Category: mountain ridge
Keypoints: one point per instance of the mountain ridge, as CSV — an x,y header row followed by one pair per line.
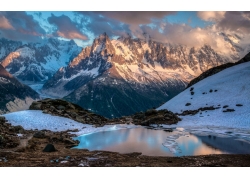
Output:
x,y
136,74
13,94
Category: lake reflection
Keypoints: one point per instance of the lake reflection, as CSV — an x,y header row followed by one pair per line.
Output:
x,y
148,141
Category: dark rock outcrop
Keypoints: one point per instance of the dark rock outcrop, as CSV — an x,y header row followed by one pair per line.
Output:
x,y
193,112
229,110
69,110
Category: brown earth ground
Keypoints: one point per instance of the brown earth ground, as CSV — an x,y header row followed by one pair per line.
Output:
x,y
28,152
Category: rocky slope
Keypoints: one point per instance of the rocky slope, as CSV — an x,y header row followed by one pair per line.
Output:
x,y
36,61
14,95
120,77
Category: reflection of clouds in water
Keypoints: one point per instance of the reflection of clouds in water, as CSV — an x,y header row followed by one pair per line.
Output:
x,y
188,141
201,150
147,141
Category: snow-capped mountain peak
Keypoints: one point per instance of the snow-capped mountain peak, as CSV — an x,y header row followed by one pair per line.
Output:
x,y
139,67
39,61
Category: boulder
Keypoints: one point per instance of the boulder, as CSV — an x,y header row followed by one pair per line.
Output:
x,y
49,148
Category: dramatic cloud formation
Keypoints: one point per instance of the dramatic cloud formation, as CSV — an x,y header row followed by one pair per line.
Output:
x,y
21,27
207,27
119,23
4,23
97,24
136,17
211,15
186,35
236,21
232,21
66,28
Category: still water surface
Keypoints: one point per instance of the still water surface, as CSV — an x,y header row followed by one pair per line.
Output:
x,y
160,143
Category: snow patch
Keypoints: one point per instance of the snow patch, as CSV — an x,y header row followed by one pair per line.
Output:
x,y
36,119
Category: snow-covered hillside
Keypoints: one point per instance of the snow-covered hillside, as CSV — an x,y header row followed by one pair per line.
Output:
x,y
36,119
226,93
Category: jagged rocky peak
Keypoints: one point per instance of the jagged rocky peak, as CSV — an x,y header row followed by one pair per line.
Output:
x,y
102,45
83,55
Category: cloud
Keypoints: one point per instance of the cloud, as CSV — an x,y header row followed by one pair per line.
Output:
x,y
21,26
4,23
119,23
236,21
97,24
228,21
136,17
66,28
186,35
211,15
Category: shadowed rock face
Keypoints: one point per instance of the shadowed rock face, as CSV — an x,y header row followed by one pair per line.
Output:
x,y
11,89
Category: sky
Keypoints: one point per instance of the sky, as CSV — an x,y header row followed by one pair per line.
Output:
x,y
191,28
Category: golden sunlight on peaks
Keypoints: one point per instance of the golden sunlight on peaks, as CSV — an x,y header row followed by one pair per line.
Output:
x,y
10,58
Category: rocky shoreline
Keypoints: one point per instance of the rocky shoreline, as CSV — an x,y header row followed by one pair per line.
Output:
x,y
32,148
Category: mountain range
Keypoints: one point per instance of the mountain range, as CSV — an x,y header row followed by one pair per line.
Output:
x,y
123,76
113,77
36,61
